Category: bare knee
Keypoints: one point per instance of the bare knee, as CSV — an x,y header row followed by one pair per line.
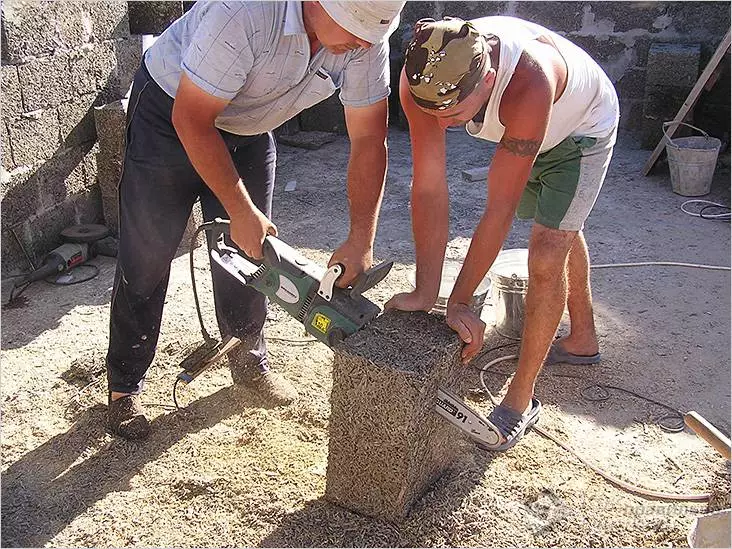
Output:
x,y
548,253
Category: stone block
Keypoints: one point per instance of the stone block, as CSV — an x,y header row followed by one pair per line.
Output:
x,y
148,17
326,116
472,10
475,174
631,114
701,21
387,445
109,19
45,82
673,65
27,30
6,152
12,259
627,16
20,197
34,137
110,123
65,175
74,24
632,84
76,120
558,16
660,105
107,68
12,104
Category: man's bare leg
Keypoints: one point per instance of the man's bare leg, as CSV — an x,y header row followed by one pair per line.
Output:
x,y
545,299
582,338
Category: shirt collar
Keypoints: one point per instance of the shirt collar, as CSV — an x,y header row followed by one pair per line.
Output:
x,y
294,23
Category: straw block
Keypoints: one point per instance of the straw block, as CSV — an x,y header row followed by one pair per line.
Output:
x,y
387,444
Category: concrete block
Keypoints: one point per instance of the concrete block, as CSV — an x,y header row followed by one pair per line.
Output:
x,y
700,21
307,140
129,56
110,126
153,17
632,84
76,120
626,16
45,82
476,174
326,116
673,65
12,259
74,24
387,445
21,197
34,137
472,10
564,16
65,175
12,99
631,114
660,104
107,68
27,30
109,19
6,152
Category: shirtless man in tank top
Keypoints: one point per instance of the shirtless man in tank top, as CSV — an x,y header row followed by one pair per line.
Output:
x,y
554,114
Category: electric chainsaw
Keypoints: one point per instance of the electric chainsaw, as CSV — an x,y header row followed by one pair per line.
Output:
x,y
308,292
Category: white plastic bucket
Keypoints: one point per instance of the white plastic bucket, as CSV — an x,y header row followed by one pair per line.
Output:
x,y
450,271
691,161
509,277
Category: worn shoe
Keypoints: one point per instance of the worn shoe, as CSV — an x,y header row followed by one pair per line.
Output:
x,y
126,417
271,386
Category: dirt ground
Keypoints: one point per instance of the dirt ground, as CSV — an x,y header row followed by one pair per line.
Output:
x,y
226,471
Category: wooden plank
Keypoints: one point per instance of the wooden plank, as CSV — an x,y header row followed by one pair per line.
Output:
x,y
690,101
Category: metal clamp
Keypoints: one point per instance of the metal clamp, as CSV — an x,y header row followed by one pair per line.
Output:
x,y
325,290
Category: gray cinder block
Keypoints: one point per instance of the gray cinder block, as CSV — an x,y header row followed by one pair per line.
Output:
x,y
34,137
12,104
387,445
76,120
326,116
46,82
153,17
673,65
110,123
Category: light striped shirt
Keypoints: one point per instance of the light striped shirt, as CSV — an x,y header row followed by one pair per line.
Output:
x,y
257,56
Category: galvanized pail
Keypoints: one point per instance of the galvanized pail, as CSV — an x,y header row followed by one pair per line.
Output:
x,y
509,277
691,161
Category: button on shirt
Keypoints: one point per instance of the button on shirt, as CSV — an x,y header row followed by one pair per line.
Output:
x,y
256,55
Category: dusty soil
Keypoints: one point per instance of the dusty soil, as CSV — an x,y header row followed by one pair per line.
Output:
x,y
226,471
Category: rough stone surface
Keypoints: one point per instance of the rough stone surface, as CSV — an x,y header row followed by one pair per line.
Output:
x,y
387,445
110,127
46,82
12,104
153,17
673,65
109,19
34,137
25,29
21,197
76,120
6,151
66,175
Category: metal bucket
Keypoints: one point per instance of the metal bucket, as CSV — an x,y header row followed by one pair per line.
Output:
x,y
509,276
691,161
450,271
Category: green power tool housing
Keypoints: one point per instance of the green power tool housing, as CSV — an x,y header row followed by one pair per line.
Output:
x,y
304,289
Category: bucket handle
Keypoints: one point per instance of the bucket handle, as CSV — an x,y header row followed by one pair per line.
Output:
x,y
669,141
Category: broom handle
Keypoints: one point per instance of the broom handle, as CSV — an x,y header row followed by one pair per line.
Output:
x,y
708,432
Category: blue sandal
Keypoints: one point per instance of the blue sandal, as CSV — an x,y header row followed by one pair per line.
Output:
x,y
512,425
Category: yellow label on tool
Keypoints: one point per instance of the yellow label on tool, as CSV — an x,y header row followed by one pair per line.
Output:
x,y
321,322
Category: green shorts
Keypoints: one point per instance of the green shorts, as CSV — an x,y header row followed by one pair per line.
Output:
x,y
565,181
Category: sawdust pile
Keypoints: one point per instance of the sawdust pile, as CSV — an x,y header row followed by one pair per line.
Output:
x,y
387,446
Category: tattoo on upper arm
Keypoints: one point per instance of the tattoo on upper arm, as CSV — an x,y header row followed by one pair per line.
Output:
x,y
520,147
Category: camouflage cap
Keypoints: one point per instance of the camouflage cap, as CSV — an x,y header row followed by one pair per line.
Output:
x,y
444,62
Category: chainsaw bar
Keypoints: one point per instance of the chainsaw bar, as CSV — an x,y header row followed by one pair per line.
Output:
x,y
472,423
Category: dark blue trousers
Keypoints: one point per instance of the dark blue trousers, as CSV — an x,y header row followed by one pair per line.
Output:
x,y
157,191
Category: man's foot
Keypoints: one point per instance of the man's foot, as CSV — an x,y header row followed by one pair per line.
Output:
x,y
126,417
271,386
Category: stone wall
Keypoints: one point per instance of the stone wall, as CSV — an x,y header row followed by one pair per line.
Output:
x,y
59,60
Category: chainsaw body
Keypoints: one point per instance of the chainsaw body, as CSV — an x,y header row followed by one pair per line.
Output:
x,y
304,289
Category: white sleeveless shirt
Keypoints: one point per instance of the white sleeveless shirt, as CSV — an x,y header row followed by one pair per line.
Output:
x,y
588,106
